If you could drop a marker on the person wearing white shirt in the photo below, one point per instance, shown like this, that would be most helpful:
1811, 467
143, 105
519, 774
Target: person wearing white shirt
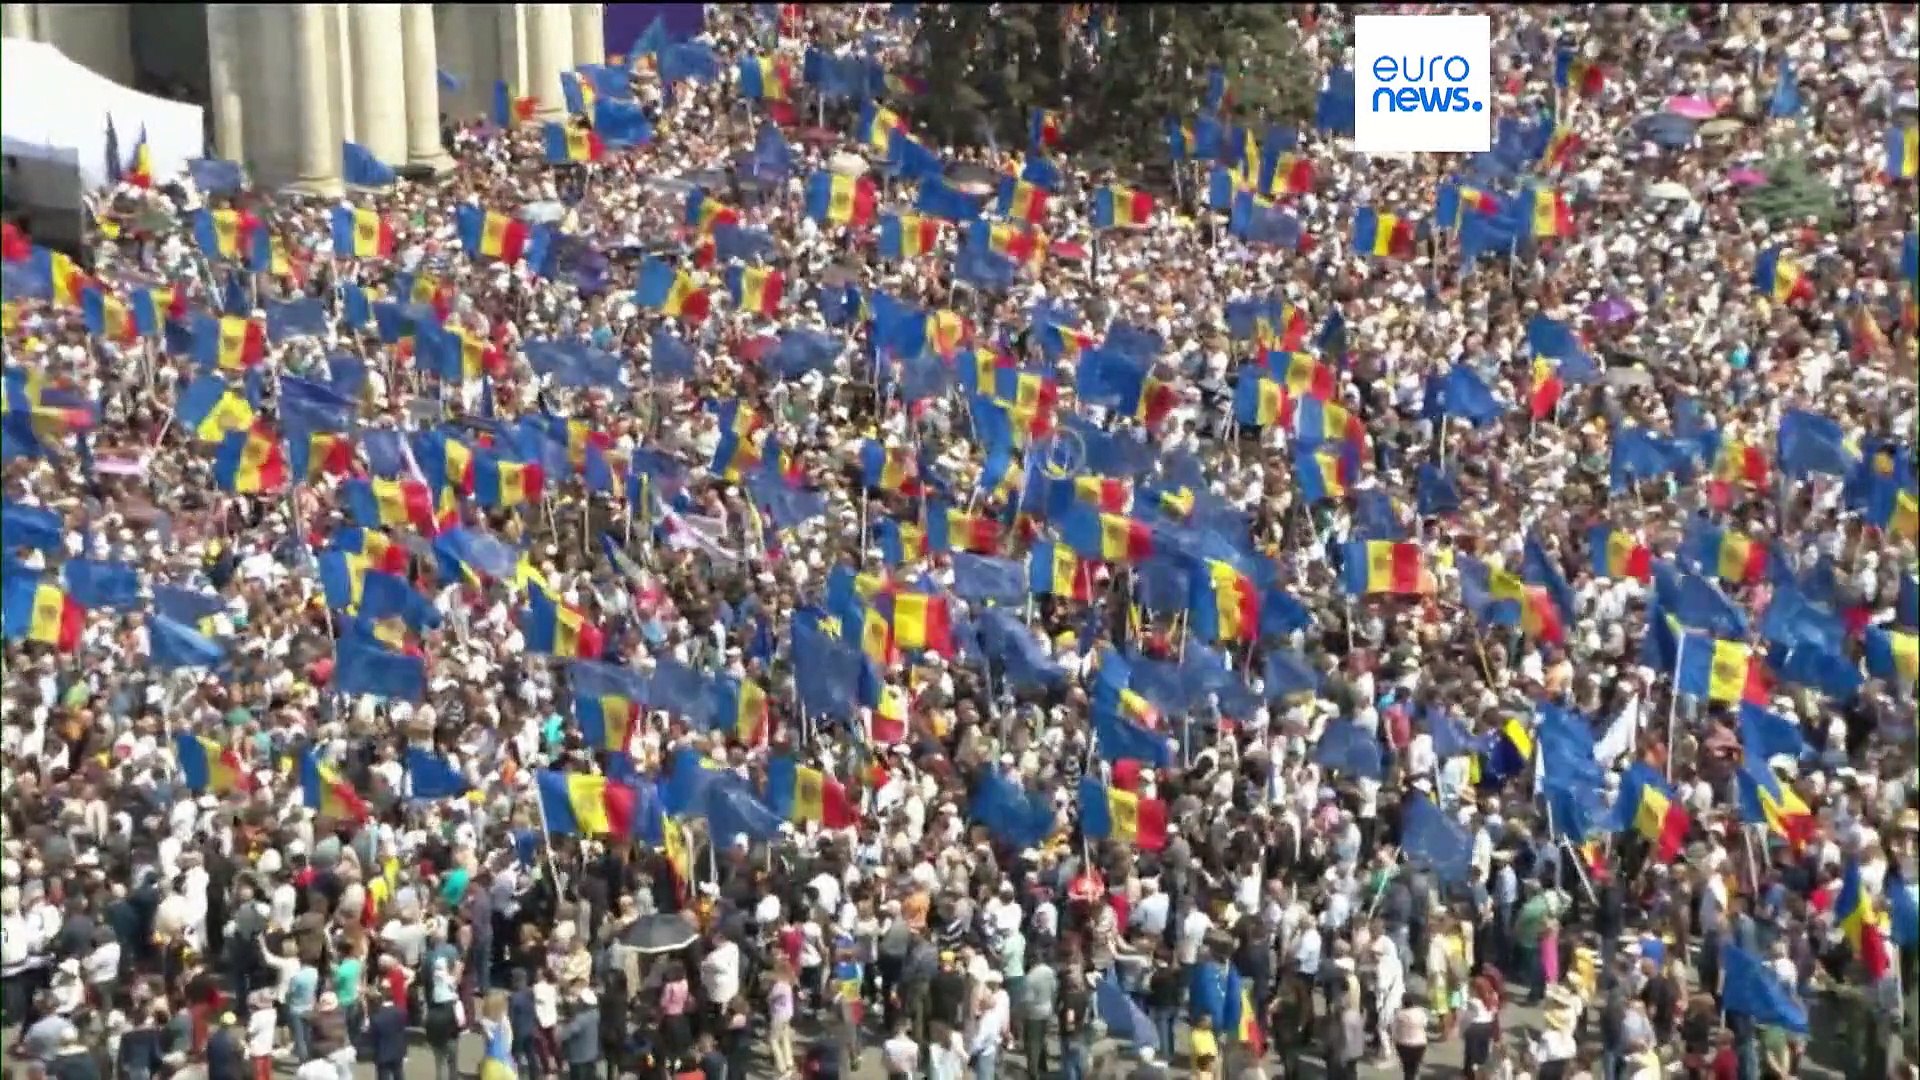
989, 1028
1193, 933
720, 973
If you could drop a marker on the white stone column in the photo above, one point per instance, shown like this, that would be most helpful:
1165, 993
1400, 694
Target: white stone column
19, 21
550, 52
423, 89
341, 71
318, 162
589, 35
380, 90
226, 79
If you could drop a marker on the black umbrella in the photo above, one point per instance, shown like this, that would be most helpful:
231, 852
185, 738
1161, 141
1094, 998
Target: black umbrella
662, 932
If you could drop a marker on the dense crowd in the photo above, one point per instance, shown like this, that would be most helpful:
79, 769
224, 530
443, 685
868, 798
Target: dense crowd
645, 615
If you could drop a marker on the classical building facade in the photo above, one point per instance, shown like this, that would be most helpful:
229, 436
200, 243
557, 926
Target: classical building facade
286, 84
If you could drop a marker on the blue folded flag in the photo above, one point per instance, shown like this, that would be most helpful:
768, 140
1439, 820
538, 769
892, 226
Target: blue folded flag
31, 527
102, 583
172, 645
432, 776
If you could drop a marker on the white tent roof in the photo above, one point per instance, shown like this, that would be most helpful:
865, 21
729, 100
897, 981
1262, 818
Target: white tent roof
59, 105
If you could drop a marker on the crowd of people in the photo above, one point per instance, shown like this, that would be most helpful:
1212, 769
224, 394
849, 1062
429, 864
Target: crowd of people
724, 639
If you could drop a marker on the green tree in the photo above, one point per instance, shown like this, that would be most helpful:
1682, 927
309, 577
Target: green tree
1114, 84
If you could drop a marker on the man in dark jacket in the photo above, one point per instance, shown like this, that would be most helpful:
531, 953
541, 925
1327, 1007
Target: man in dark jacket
387, 1039
580, 1037
226, 1054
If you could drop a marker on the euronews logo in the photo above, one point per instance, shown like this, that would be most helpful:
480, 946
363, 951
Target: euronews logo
1421, 84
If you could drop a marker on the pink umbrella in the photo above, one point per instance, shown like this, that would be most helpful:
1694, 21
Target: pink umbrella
1745, 177
1693, 108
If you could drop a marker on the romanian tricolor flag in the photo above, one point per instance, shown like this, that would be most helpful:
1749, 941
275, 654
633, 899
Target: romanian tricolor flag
1303, 376
322, 453
1764, 800
328, 796
801, 794
139, 171
1286, 174
222, 234
1118, 207
377, 503
607, 719
1378, 234
1021, 201
209, 768
40, 611
500, 236
1854, 913
1903, 152
951, 529
1316, 422
908, 235
576, 91
107, 317
1384, 566
553, 628
736, 453
1054, 570
706, 213
918, 622
1574, 71
1243, 1016
741, 706
1707, 667
766, 78
379, 551
1324, 474
569, 142
1561, 148
1114, 538
1111, 813
1617, 553
833, 199
502, 484
362, 234
1107, 494
1649, 807
1043, 129
1225, 605
68, 281
1731, 555
1529, 607
1544, 395
152, 307
670, 291
1742, 462
877, 126
229, 342
1020, 244
1258, 401
576, 804
755, 288
889, 469
1550, 214
1779, 277
251, 461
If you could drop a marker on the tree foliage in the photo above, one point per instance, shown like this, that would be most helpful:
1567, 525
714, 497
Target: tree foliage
1113, 72
1793, 192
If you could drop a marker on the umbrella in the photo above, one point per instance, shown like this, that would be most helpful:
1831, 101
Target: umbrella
1669, 190
1611, 311
1068, 249
668, 185
1721, 126
846, 164
1628, 376
1746, 177
973, 172
662, 932
1693, 108
541, 213
1666, 130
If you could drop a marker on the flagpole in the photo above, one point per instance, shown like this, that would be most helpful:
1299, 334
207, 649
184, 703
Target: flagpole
1673, 700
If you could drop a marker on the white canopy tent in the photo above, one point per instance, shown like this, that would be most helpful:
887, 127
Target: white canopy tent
62, 107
